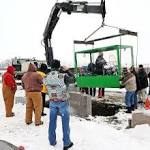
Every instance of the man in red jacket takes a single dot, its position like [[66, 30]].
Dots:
[[9, 88]]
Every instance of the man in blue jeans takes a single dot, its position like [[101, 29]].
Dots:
[[58, 95], [129, 81]]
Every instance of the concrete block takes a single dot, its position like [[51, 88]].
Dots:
[[80, 104], [139, 118]]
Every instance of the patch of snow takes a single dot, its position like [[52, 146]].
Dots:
[[93, 133]]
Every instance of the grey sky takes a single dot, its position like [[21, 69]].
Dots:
[[23, 22]]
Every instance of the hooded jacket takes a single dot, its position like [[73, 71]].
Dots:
[[8, 78], [32, 81]]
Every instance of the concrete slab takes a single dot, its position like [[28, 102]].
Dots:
[[140, 117], [4, 145], [80, 104]]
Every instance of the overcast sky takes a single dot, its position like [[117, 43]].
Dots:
[[22, 23]]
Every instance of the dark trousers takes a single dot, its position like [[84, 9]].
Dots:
[[92, 91], [43, 100]]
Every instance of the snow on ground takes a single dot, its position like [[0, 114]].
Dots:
[[94, 133]]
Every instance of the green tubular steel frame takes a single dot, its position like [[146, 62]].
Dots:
[[105, 81]]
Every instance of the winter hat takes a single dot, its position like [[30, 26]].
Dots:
[[140, 66], [10, 69], [43, 67], [55, 64]]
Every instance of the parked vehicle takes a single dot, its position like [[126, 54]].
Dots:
[[21, 65]]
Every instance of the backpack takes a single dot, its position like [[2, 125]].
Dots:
[[56, 86]]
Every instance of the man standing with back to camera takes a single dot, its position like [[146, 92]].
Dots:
[[58, 103], [32, 83]]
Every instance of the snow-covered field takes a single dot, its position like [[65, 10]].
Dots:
[[94, 133]]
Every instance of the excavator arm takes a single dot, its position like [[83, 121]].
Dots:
[[68, 7]]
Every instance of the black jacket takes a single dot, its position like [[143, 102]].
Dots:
[[138, 85], [143, 78], [100, 62]]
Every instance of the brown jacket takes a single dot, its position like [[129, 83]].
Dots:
[[129, 81], [32, 81]]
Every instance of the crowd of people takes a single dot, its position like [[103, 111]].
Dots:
[[96, 68], [36, 83], [135, 83]]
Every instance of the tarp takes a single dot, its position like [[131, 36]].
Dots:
[[4, 145]]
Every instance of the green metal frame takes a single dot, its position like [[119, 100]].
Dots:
[[105, 81]]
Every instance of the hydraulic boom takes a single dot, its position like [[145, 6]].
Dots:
[[68, 7]]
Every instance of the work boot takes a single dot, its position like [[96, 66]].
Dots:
[[28, 123], [132, 107], [53, 144], [38, 124], [67, 147], [11, 115], [129, 110], [43, 114]]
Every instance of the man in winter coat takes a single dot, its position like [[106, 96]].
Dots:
[[100, 63], [9, 88], [58, 102], [138, 85], [129, 81], [32, 83], [43, 71], [143, 82]]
